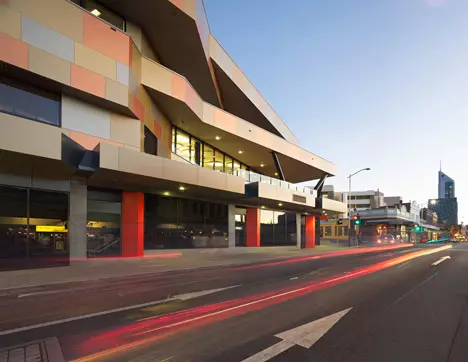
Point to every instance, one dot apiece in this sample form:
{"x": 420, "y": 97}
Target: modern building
{"x": 446, "y": 186}
{"x": 446, "y": 210}
{"x": 125, "y": 127}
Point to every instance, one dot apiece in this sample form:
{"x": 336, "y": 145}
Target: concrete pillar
{"x": 252, "y": 227}
{"x": 299, "y": 231}
{"x": 232, "y": 226}
{"x": 133, "y": 219}
{"x": 310, "y": 223}
{"x": 78, "y": 219}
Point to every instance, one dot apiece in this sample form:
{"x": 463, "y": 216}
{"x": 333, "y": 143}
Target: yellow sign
{"x": 51, "y": 229}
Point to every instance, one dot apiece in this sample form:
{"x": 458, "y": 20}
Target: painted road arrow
{"x": 441, "y": 260}
{"x": 305, "y": 336}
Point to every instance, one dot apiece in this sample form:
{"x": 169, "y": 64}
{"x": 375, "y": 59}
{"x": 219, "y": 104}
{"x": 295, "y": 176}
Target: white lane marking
{"x": 416, "y": 287}
{"x": 441, "y": 260}
{"x": 116, "y": 310}
{"x": 44, "y": 293}
{"x": 305, "y": 336}
{"x": 293, "y": 278}
{"x": 270, "y": 352}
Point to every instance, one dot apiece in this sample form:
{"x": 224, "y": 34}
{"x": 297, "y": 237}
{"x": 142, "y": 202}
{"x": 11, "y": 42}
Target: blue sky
{"x": 363, "y": 83}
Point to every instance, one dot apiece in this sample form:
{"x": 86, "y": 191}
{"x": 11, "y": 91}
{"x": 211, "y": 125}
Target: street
{"x": 403, "y": 304}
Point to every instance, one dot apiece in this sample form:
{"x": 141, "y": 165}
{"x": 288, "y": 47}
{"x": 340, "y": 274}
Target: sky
{"x": 363, "y": 83}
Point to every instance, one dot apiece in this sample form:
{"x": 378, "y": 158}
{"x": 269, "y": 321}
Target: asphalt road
{"x": 383, "y": 306}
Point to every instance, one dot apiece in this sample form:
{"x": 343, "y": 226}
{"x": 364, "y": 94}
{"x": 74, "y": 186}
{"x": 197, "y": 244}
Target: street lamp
{"x": 349, "y": 202}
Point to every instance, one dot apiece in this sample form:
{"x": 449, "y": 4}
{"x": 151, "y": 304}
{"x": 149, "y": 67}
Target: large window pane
{"x": 219, "y": 161}
{"x": 48, "y": 226}
{"x": 173, "y": 146}
{"x": 103, "y": 228}
{"x": 183, "y": 145}
{"x": 236, "y": 168}
{"x": 160, "y": 222}
{"x": 267, "y": 227}
{"x": 13, "y": 227}
{"x": 25, "y": 101}
{"x": 195, "y": 151}
{"x": 208, "y": 157}
{"x": 229, "y": 164}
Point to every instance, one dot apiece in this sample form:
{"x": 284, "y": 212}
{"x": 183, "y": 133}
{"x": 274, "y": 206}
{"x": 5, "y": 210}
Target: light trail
{"x": 152, "y": 329}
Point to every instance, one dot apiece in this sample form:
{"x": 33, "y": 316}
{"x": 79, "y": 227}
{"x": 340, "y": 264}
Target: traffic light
{"x": 417, "y": 228}
{"x": 356, "y": 220}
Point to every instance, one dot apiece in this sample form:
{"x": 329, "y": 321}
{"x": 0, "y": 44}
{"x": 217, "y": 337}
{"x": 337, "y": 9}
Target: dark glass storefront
{"x": 174, "y": 223}
{"x": 33, "y": 228}
{"x": 277, "y": 228}
{"x": 104, "y": 223}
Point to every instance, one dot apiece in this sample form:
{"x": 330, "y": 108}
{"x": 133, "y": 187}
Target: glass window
{"x": 48, "y": 226}
{"x": 183, "y": 145}
{"x": 328, "y": 231}
{"x": 236, "y": 168}
{"x": 150, "y": 142}
{"x": 102, "y": 12}
{"x": 208, "y": 157}
{"x": 243, "y": 167}
{"x": 103, "y": 228}
{"x": 229, "y": 164}
{"x": 13, "y": 227}
{"x": 195, "y": 151}
{"x": 173, "y": 140}
{"x": 25, "y": 101}
{"x": 219, "y": 161}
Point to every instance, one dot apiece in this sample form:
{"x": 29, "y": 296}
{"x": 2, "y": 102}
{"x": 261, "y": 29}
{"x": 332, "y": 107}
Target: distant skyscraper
{"x": 446, "y": 186}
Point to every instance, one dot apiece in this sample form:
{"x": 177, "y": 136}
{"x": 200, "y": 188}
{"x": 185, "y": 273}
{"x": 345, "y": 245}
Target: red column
{"x": 252, "y": 227}
{"x": 133, "y": 214}
{"x": 310, "y": 231}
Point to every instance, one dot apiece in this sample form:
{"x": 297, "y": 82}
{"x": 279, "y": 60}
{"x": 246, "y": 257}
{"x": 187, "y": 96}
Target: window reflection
{"x": 219, "y": 161}
{"x": 228, "y": 164}
{"x": 183, "y": 145}
{"x": 196, "y": 152}
{"x": 277, "y": 228}
{"x": 208, "y": 157}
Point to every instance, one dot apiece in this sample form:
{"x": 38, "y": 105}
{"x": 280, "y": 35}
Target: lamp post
{"x": 349, "y": 202}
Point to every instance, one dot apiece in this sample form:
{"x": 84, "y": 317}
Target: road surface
{"x": 408, "y": 304}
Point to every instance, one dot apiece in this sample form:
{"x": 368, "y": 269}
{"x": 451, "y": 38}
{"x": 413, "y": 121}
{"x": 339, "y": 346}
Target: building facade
{"x": 125, "y": 126}
{"x": 446, "y": 186}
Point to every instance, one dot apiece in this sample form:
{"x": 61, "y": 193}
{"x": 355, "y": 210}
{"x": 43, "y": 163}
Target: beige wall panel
{"x": 211, "y": 179}
{"x": 49, "y": 65}
{"x": 116, "y": 92}
{"x": 10, "y": 22}
{"x": 95, "y": 61}
{"x": 29, "y": 137}
{"x": 179, "y": 172}
{"x": 235, "y": 184}
{"x": 108, "y": 156}
{"x": 125, "y": 130}
{"x": 58, "y": 15}
{"x": 156, "y": 76}
{"x": 139, "y": 163}
{"x": 208, "y": 113}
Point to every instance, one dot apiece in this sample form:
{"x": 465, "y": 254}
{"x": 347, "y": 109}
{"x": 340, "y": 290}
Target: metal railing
{"x": 102, "y": 247}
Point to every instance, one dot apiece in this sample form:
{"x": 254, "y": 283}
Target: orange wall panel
{"x": 178, "y": 87}
{"x": 88, "y": 81}
{"x": 89, "y": 142}
{"x": 252, "y": 227}
{"x": 157, "y": 129}
{"x": 137, "y": 108}
{"x": 310, "y": 231}
{"x": 133, "y": 214}
{"x": 100, "y": 36}
{"x": 13, "y": 51}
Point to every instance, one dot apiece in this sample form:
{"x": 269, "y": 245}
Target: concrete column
{"x": 298, "y": 231}
{"x": 232, "y": 226}
{"x": 252, "y": 227}
{"x": 78, "y": 219}
{"x": 133, "y": 218}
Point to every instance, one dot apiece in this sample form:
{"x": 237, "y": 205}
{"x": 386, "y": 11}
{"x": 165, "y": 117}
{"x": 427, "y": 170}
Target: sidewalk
{"x": 163, "y": 261}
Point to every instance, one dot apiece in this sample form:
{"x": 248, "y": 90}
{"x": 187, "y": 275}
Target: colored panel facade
{"x": 133, "y": 224}
{"x": 252, "y": 227}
